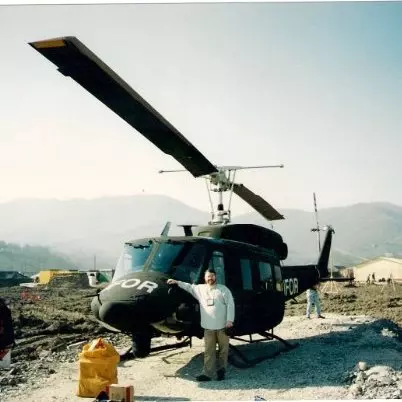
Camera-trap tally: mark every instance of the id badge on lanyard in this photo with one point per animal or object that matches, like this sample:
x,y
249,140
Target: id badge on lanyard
x,y
210,302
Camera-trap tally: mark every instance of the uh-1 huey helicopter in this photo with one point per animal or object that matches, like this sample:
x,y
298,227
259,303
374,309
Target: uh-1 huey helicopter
x,y
247,258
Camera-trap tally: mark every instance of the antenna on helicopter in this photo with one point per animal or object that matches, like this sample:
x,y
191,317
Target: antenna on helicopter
x,y
223,180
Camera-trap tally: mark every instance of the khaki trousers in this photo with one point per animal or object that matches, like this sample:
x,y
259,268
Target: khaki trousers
x,y
211,363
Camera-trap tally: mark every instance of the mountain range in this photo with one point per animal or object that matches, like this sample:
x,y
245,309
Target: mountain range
x,y
94,231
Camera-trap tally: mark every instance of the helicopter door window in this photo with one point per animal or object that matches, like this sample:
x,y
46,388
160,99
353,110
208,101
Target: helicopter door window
x,y
266,274
278,273
189,269
217,264
246,274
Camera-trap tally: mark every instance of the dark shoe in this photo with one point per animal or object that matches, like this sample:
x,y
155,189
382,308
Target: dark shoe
x,y
308,317
220,374
203,377
320,316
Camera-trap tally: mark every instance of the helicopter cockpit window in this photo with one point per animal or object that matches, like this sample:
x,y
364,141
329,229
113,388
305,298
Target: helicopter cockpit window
x,y
165,256
217,264
132,259
188,270
246,274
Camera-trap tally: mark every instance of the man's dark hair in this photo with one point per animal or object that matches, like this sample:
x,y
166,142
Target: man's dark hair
x,y
211,271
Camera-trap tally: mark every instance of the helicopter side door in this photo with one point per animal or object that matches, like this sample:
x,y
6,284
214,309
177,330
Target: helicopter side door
x,y
242,281
250,283
235,284
270,303
189,270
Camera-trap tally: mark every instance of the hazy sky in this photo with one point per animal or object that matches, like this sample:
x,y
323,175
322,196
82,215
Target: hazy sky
x,y
316,86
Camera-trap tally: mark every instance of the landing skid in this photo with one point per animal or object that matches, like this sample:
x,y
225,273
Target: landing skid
x,y
186,342
239,359
178,345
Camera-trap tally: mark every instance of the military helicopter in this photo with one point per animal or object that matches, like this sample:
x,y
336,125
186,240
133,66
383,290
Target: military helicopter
x,y
247,258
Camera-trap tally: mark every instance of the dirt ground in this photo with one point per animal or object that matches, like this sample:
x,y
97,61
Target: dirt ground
x,y
379,300
51,324
53,317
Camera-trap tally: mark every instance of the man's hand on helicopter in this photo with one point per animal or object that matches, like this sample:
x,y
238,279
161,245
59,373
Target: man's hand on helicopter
x,y
229,324
171,282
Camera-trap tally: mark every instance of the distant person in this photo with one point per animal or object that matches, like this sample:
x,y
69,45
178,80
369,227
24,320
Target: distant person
x,y
372,278
217,315
313,299
368,280
6,329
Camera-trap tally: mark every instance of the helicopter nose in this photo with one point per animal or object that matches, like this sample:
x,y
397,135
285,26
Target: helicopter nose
x,y
124,316
128,314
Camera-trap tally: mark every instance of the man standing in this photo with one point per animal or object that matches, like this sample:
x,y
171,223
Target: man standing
x,y
217,314
313,299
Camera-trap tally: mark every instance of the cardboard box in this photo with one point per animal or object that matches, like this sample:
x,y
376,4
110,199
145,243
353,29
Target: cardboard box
x,y
120,393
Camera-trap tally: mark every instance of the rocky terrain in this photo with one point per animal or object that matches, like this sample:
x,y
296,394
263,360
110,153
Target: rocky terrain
x,y
53,323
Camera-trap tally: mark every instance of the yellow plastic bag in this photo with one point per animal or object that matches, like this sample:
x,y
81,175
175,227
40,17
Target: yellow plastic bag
x,y
98,367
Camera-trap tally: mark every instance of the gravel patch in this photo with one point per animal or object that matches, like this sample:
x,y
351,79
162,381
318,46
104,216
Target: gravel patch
x,y
325,365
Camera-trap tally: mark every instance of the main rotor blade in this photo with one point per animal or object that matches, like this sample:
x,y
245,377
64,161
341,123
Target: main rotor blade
x,y
75,60
257,202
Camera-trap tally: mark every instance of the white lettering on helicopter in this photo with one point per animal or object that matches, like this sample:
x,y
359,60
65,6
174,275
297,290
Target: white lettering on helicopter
x,y
149,285
134,282
290,286
130,283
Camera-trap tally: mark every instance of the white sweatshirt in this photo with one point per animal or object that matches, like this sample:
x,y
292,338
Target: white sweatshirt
x,y
216,313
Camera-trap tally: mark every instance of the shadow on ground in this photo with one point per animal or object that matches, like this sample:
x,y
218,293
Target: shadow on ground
x,y
323,360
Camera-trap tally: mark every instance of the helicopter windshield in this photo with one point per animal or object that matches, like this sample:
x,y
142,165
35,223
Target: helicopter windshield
x,y
165,256
181,259
132,259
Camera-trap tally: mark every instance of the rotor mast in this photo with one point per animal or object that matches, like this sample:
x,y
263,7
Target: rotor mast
x,y
221,181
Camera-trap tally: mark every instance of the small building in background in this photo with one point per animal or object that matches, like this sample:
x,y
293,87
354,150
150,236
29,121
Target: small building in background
x,y
383,268
44,277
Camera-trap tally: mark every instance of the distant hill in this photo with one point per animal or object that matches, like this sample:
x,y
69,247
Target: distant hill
x,y
26,258
82,228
